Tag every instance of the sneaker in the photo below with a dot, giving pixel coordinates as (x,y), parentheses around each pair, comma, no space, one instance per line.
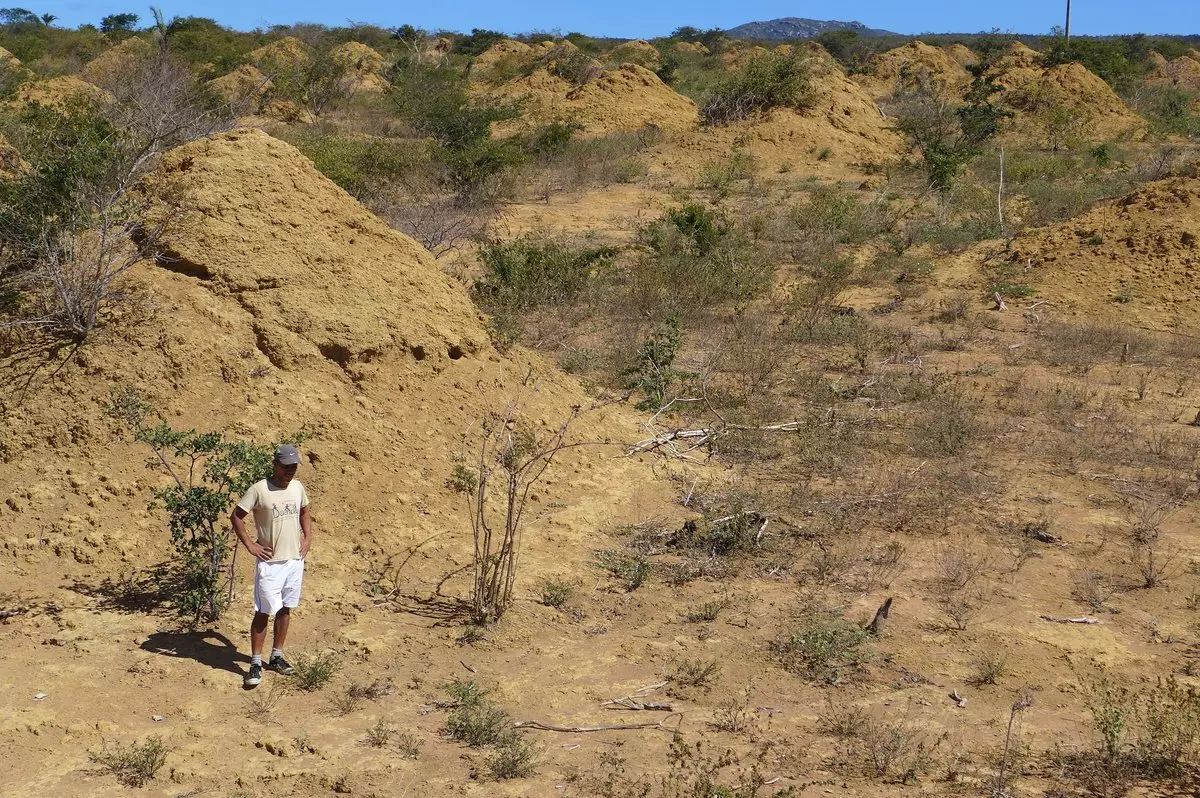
(253,678)
(281,665)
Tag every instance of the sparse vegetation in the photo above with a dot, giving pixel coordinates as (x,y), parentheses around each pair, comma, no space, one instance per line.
(824,647)
(773,80)
(134,765)
(314,672)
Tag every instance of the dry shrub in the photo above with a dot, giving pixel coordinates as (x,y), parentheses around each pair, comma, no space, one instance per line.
(1083,346)
(960,587)
(948,426)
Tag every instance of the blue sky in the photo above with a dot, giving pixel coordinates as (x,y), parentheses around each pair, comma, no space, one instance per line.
(642,19)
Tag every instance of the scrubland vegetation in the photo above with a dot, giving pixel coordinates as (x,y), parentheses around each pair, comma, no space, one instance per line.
(839,416)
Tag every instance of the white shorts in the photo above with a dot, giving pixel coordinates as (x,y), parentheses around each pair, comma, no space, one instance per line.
(277,585)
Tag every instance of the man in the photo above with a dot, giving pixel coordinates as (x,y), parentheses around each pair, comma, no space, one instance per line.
(284,526)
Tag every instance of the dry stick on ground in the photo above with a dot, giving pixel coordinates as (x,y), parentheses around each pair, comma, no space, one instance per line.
(705,435)
(660,725)
(635,701)
(1054,619)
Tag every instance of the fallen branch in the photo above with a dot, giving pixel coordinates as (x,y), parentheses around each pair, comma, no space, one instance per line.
(6,614)
(533,724)
(635,701)
(704,435)
(1053,619)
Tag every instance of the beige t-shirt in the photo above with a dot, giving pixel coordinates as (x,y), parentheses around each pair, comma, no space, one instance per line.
(277,516)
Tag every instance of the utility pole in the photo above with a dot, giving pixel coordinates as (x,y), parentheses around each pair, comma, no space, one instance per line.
(1068,28)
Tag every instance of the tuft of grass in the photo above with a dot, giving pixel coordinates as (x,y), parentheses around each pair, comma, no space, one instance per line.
(474,719)
(514,758)
(988,667)
(695,673)
(379,735)
(409,745)
(555,593)
(315,672)
(629,567)
(135,764)
(708,611)
(823,647)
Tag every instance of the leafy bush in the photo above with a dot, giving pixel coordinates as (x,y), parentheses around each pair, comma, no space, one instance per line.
(556,594)
(361,166)
(823,647)
(530,272)
(476,721)
(513,758)
(629,567)
(694,258)
(209,473)
(774,80)
(653,372)
(133,765)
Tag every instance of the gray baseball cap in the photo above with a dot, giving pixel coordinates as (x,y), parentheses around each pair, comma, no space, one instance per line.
(287,454)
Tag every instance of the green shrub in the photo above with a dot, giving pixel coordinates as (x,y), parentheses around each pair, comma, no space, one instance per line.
(823,647)
(694,258)
(513,758)
(133,765)
(708,611)
(947,427)
(653,372)
(209,474)
(774,80)
(630,567)
(361,166)
(695,673)
(313,673)
(556,594)
(474,719)
(530,272)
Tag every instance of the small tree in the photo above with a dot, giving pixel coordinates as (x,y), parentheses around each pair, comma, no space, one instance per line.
(208,474)
(118,23)
(510,459)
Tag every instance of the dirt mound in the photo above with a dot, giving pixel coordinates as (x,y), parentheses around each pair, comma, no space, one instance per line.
(288,53)
(247,82)
(637,52)
(841,129)
(499,62)
(1135,257)
(7,57)
(890,71)
(623,99)
(113,62)
(1063,101)
(1017,56)
(1183,72)
(55,90)
(366,63)
(306,294)
(692,48)
(961,54)
(739,56)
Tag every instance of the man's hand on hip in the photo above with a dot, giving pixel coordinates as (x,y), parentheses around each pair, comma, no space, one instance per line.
(260,552)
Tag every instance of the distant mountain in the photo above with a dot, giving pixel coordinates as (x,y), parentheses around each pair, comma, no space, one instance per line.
(799,28)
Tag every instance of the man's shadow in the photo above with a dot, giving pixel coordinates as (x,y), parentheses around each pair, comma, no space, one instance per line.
(208,648)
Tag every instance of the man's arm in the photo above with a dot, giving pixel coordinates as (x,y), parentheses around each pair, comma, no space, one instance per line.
(305,531)
(237,519)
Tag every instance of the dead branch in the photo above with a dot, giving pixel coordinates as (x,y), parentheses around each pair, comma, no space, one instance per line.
(959,700)
(1053,619)
(660,725)
(705,435)
(634,701)
(881,616)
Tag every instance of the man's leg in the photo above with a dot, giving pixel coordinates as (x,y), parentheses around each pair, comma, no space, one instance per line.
(258,632)
(283,619)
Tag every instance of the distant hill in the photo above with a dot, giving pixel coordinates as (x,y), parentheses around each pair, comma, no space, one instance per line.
(799,28)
